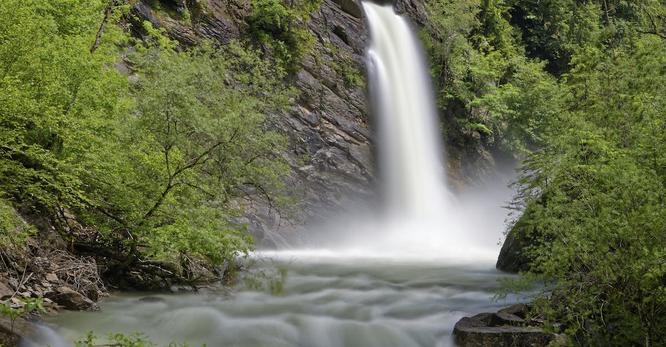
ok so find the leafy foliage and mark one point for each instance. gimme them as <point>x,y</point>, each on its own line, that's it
<point>13,230</point>
<point>28,306</point>
<point>486,84</point>
<point>594,199</point>
<point>154,161</point>
<point>280,29</point>
<point>120,340</point>
<point>53,97</point>
<point>579,87</point>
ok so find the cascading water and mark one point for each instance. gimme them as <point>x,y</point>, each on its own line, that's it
<point>413,175</point>
<point>418,217</point>
<point>420,274</point>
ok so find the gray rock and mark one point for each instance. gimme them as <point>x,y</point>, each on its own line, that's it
<point>512,257</point>
<point>72,300</point>
<point>351,7</point>
<point>491,330</point>
<point>51,277</point>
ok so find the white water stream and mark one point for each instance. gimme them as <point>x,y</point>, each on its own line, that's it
<point>400,277</point>
<point>409,147</point>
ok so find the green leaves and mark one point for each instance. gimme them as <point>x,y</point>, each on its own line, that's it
<point>27,306</point>
<point>486,84</point>
<point>279,28</point>
<point>578,89</point>
<point>154,165</point>
<point>594,197</point>
<point>51,89</point>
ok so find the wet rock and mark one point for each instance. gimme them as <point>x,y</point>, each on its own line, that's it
<point>151,299</point>
<point>12,332</point>
<point>513,315</point>
<point>71,299</point>
<point>512,257</point>
<point>507,327</point>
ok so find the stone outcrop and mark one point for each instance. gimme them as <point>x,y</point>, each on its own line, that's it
<point>508,327</point>
<point>513,256</point>
<point>5,291</point>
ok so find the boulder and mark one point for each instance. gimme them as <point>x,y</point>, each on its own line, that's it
<point>507,327</point>
<point>512,258</point>
<point>71,299</point>
<point>512,315</point>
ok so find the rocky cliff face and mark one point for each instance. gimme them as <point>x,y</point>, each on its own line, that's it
<point>331,153</point>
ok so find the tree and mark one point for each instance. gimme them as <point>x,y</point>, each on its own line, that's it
<point>594,195</point>
<point>152,168</point>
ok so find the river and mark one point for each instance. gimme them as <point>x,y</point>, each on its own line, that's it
<point>322,300</point>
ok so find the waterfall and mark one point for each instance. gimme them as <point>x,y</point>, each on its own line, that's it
<point>418,218</point>
<point>413,177</point>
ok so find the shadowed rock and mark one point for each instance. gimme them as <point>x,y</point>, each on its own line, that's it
<point>507,327</point>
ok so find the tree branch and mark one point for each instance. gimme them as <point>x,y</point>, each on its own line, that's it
<point>107,15</point>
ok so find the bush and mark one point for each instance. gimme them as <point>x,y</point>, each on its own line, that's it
<point>282,30</point>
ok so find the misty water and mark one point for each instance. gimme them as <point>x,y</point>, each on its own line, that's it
<point>325,301</point>
<point>401,273</point>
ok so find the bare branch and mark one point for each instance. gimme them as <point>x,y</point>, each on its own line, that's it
<point>107,15</point>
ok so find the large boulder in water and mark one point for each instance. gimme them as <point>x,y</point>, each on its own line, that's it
<point>512,256</point>
<point>507,327</point>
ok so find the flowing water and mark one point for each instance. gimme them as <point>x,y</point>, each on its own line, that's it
<point>400,275</point>
<point>410,157</point>
<point>325,302</point>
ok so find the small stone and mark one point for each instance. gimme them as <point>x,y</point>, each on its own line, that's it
<point>13,282</point>
<point>51,277</point>
<point>5,290</point>
<point>15,302</point>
